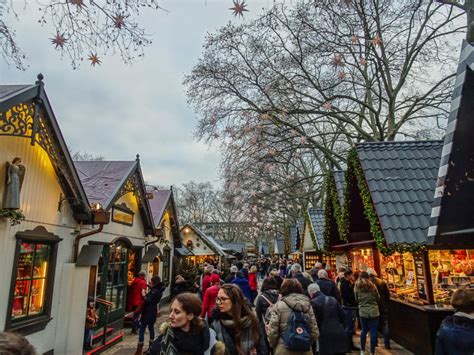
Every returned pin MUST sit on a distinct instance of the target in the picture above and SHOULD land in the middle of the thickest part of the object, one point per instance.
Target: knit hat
(215, 278)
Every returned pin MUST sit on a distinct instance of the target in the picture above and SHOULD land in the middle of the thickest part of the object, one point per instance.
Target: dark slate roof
(102, 179)
(293, 233)
(316, 217)
(264, 248)
(281, 245)
(158, 204)
(401, 177)
(7, 91)
(340, 180)
(238, 247)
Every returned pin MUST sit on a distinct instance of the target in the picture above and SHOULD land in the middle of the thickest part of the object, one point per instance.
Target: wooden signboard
(122, 214)
(420, 273)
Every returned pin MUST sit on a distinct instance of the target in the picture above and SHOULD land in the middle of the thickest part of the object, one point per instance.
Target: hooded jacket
(150, 305)
(137, 289)
(280, 318)
(456, 335)
(243, 284)
(347, 293)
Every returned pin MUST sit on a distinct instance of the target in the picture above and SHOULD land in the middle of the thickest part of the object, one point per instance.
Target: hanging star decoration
(362, 61)
(376, 41)
(119, 21)
(337, 60)
(327, 105)
(79, 3)
(354, 39)
(239, 8)
(341, 75)
(93, 57)
(59, 40)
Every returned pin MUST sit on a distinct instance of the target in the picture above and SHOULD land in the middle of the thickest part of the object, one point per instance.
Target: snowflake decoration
(93, 57)
(119, 21)
(337, 60)
(362, 61)
(302, 140)
(59, 40)
(239, 8)
(341, 75)
(327, 105)
(355, 39)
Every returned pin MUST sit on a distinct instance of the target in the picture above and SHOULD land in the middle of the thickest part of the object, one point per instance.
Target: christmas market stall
(116, 187)
(278, 247)
(203, 248)
(335, 228)
(42, 206)
(389, 192)
(159, 257)
(313, 238)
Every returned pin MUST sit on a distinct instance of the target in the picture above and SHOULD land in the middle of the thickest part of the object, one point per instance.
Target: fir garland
(354, 172)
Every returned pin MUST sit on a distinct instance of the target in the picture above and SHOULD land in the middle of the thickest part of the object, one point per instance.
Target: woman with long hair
(186, 333)
(235, 323)
(367, 296)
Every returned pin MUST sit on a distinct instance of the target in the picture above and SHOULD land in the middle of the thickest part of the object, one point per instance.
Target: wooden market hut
(203, 248)
(313, 239)
(37, 227)
(389, 189)
(118, 188)
(160, 255)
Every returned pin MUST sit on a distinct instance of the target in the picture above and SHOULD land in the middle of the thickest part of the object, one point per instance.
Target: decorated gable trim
(204, 238)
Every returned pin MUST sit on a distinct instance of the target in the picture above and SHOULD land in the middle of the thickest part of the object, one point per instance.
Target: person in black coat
(328, 286)
(330, 317)
(349, 305)
(456, 333)
(233, 270)
(269, 293)
(149, 311)
(296, 273)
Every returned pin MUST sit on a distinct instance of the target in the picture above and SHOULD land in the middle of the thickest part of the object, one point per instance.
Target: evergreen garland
(354, 172)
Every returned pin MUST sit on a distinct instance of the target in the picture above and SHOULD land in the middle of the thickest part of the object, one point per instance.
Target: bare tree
(468, 7)
(84, 156)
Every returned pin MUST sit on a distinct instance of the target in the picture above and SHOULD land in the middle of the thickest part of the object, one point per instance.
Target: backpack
(297, 336)
(268, 313)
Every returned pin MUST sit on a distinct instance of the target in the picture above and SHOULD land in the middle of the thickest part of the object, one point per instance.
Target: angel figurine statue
(13, 184)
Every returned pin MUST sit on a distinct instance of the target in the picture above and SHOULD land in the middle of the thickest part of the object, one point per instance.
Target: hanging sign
(420, 273)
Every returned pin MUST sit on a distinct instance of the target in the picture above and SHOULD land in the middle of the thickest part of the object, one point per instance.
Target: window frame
(166, 268)
(34, 323)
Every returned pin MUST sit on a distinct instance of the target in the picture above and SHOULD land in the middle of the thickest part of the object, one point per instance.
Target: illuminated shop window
(31, 280)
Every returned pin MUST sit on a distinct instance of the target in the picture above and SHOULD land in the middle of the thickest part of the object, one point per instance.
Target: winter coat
(150, 305)
(303, 281)
(384, 294)
(91, 318)
(243, 284)
(206, 283)
(173, 341)
(329, 288)
(223, 325)
(331, 324)
(179, 287)
(280, 318)
(261, 305)
(229, 278)
(209, 300)
(368, 303)
(253, 282)
(136, 291)
(456, 335)
(279, 280)
(347, 293)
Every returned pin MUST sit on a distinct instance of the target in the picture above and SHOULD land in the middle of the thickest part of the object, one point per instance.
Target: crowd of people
(294, 312)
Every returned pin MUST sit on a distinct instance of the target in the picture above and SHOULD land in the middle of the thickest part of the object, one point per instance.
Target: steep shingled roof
(401, 177)
(316, 217)
(340, 180)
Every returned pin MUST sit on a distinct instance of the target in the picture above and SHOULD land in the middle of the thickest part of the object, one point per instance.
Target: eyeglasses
(222, 299)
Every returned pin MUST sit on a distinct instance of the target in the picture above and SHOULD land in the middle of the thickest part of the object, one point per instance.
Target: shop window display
(450, 270)
(31, 280)
(398, 270)
(362, 259)
(309, 260)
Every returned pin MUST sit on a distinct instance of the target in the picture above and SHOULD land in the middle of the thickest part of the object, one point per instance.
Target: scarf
(225, 327)
(176, 342)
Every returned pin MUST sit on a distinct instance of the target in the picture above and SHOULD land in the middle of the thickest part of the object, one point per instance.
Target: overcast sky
(116, 110)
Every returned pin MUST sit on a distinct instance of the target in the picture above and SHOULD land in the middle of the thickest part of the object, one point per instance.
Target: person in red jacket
(206, 279)
(136, 296)
(253, 282)
(210, 297)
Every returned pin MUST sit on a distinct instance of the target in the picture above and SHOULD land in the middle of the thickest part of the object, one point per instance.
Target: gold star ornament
(239, 8)
(94, 58)
(58, 40)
